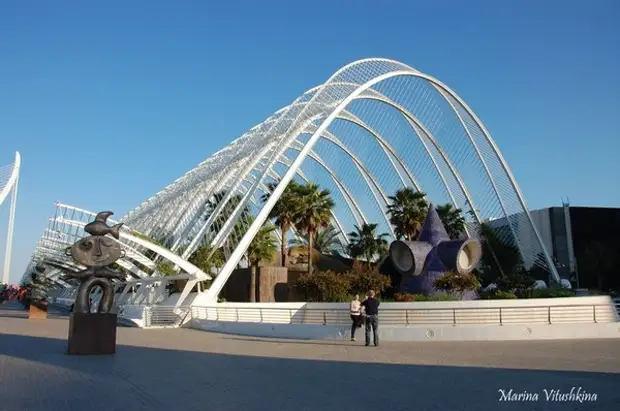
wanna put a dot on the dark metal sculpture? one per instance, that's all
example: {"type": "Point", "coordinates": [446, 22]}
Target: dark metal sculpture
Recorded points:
{"type": "Point", "coordinates": [97, 252]}
{"type": "Point", "coordinates": [421, 262]}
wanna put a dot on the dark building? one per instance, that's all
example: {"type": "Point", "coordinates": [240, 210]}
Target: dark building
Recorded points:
{"type": "Point", "coordinates": [595, 233]}
{"type": "Point", "coordinates": [584, 242]}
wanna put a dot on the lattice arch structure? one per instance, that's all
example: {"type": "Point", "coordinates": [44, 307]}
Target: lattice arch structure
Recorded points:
{"type": "Point", "coordinates": [9, 181]}
{"type": "Point", "coordinates": [374, 126]}
{"type": "Point", "coordinates": [139, 262]}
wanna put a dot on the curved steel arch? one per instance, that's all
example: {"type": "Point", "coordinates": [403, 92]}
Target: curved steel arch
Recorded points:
{"type": "Point", "coordinates": [10, 187]}
{"type": "Point", "coordinates": [399, 70]}
{"type": "Point", "coordinates": [243, 166]}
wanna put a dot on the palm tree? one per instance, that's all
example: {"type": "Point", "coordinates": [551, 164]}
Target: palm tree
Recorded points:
{"type": "Point", "coordinates": [325, 241]}
{"type": "Point", "coordinates": [206, 257]}
{"type": "Point", "coordinates": [365, 242]}
{"type": "Point", "coordinates": [452, 219]}
{"type": "Point", "coordinates": [283, 212]}
{"type": "Point", "coordinates": [262, 247]}
{"type": "Point", "coordinates": [313, 210]}
{"type": "Point", "coordinates": [227, 211]}
{"type": "Point", "coordinates": [407, 211]}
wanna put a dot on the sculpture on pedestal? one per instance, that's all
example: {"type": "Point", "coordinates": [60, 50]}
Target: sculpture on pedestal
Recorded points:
{"type": "Point", "coordinates": [433, 255]}
{"type": "Point", "coordinates": [95, 333]}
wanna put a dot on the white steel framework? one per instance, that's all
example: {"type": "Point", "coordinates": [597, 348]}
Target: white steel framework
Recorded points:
{"type": "Point", "coordinates": [9, 181]}
{"type": "Point", "coordinates": [375, 126]}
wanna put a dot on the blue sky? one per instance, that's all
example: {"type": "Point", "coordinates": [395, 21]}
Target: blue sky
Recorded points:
{"type": "Point", "coordinates": [110, 101]}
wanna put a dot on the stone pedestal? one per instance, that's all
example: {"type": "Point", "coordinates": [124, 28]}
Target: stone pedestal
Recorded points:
{"type": "Point", "coordinates": [37, 313]}
{"type": "Point", "coordinates": [92, 334]}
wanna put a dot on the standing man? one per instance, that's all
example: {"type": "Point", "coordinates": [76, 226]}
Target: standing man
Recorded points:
{"type": "Point", "coordinates": [371, 308]}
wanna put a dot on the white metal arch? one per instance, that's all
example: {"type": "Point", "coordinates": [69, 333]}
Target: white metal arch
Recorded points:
{"type": "Point", "coordinates": [403, 71]}
{"type": "Point", "coordinates": [242, 167]}
{"type": "Point", "coordinates": [10, 187]}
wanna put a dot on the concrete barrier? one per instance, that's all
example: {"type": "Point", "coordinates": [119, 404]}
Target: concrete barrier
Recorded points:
{"type": "Point", "coordinates": [480, 320]}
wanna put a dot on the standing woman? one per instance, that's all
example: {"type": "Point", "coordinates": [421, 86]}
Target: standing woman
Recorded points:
{"type": "Point", "coordinates": [356, 315]}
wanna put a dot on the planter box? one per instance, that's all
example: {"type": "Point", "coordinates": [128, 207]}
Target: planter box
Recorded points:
{"type": "Point", "coordinates": [37, 313]}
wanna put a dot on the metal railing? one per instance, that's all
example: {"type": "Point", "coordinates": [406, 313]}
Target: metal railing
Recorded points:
{"type": "Point", "coordinates": [554, 314]}
{"type": "Point", "coordinates": [158, 316]}
{"type": "Point", "coordinates": [155, 316]}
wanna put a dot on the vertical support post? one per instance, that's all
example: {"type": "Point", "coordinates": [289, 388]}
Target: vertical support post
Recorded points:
{"type": "Point", "coordinates": [454, 316]}
{"type": "Point", "coordinates": [11, 226]}
{"type": "Point", "coordinates": [594, 312]}
{"type": "Point", "coordinates": [549, 314]}
{"type": "Point", "coordinates": [500, 316]}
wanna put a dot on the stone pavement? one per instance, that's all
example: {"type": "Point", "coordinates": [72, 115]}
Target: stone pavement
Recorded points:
{"type": "Point", "coordinates": [182, 369]}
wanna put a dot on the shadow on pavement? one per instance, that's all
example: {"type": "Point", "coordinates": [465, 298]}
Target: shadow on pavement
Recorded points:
{"type": "Point", "coordinates": [347, 343]}
{"type": "Point", "coordinates": [36, 374]}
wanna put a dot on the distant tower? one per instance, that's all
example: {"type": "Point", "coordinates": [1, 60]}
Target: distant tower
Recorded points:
{"type": "Point", "coordinates": [9, 179]}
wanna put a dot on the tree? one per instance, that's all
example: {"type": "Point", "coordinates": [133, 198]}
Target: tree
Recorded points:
{"type": "Point", "coordinates": [325, 241]}
{"type": "Point", "coordinates": [206, 257]}
{"type": "Point", "coordinates": [284, 213]}
{"type": "Point", "coordinates": [226, 212]}
{"type": "Point", "coordinates": [452, 219]}
{"type": "Point", "coordinates": [165, 269]}
{"type": "Point", "coordinates": [262, 247]}
{"type": "Point", "coordinates": [457, 284]}
{"type": "Point", "coordinates": [313, 210]}
{"type": "Point", "coordinates": [323, 286]}
{"type": "Point", "coordinates": [519, 283]}
{"type": "Point", "coordinates": [363, 279]}
{"type": "Point", "coordinates": [499, 257]}
{"type": "Point", "coordinates": [37, 291]}
{"type": "Point", "coordinates": [367, 243]}
{"type": "Point", "coordinates": [407, 211]}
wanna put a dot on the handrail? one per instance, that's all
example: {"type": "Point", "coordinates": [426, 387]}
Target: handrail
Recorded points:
{"type": "Point", "coordinates": [549, 314]}
{"type": "Point", "coordinates": [168, 316]}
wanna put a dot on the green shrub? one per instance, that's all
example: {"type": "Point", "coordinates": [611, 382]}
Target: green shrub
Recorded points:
{"type": "Point", "coordinates": [519, 283]}
{"type": "Point", "coordinates": [406, 297]}
{"type": "Point", "coordinates": [497, 295]}
{"type": "Point", "coordinates": [552, 293]}
{"type": "Point", "coordinates": [457, 284]}
{"type": "Point", "coordinates": [436, 297]}
{"type": "Point", "coordinates": [323, 286]}
{"type": "Point", "coordinates": [361, 282]}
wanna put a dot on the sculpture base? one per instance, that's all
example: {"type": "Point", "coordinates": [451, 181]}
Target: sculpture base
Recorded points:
{"type": "Point", "coordinates": [92, 334]}
{"type": "Point", "coordinates": [36, 313]}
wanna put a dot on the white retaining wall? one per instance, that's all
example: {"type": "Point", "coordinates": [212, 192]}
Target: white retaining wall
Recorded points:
{"type": "Point", "coordinates": [576, 317]}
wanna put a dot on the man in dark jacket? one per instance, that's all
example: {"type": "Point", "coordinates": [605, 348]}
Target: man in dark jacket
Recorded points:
{"type": "Point", "coordinates": [371, 308]}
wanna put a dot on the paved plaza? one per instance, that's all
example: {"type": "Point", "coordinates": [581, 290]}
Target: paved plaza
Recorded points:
{"type": "Point", "coordinates": [183, 369]}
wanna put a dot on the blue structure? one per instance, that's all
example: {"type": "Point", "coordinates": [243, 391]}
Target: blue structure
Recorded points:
{"type": "Point", "coordinates": [422, 262]}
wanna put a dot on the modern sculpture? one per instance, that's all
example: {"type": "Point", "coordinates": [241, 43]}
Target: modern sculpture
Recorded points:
{"type": "Point", "coordinates": [95, 333]}
{"type": "Point", "coordinates": [421, 262]}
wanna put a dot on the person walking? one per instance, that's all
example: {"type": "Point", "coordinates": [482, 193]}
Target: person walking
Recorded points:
{"type": "Point", "coordinates": [371, 309]}
{"type": "Point", "coordinates": [355, 310]}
